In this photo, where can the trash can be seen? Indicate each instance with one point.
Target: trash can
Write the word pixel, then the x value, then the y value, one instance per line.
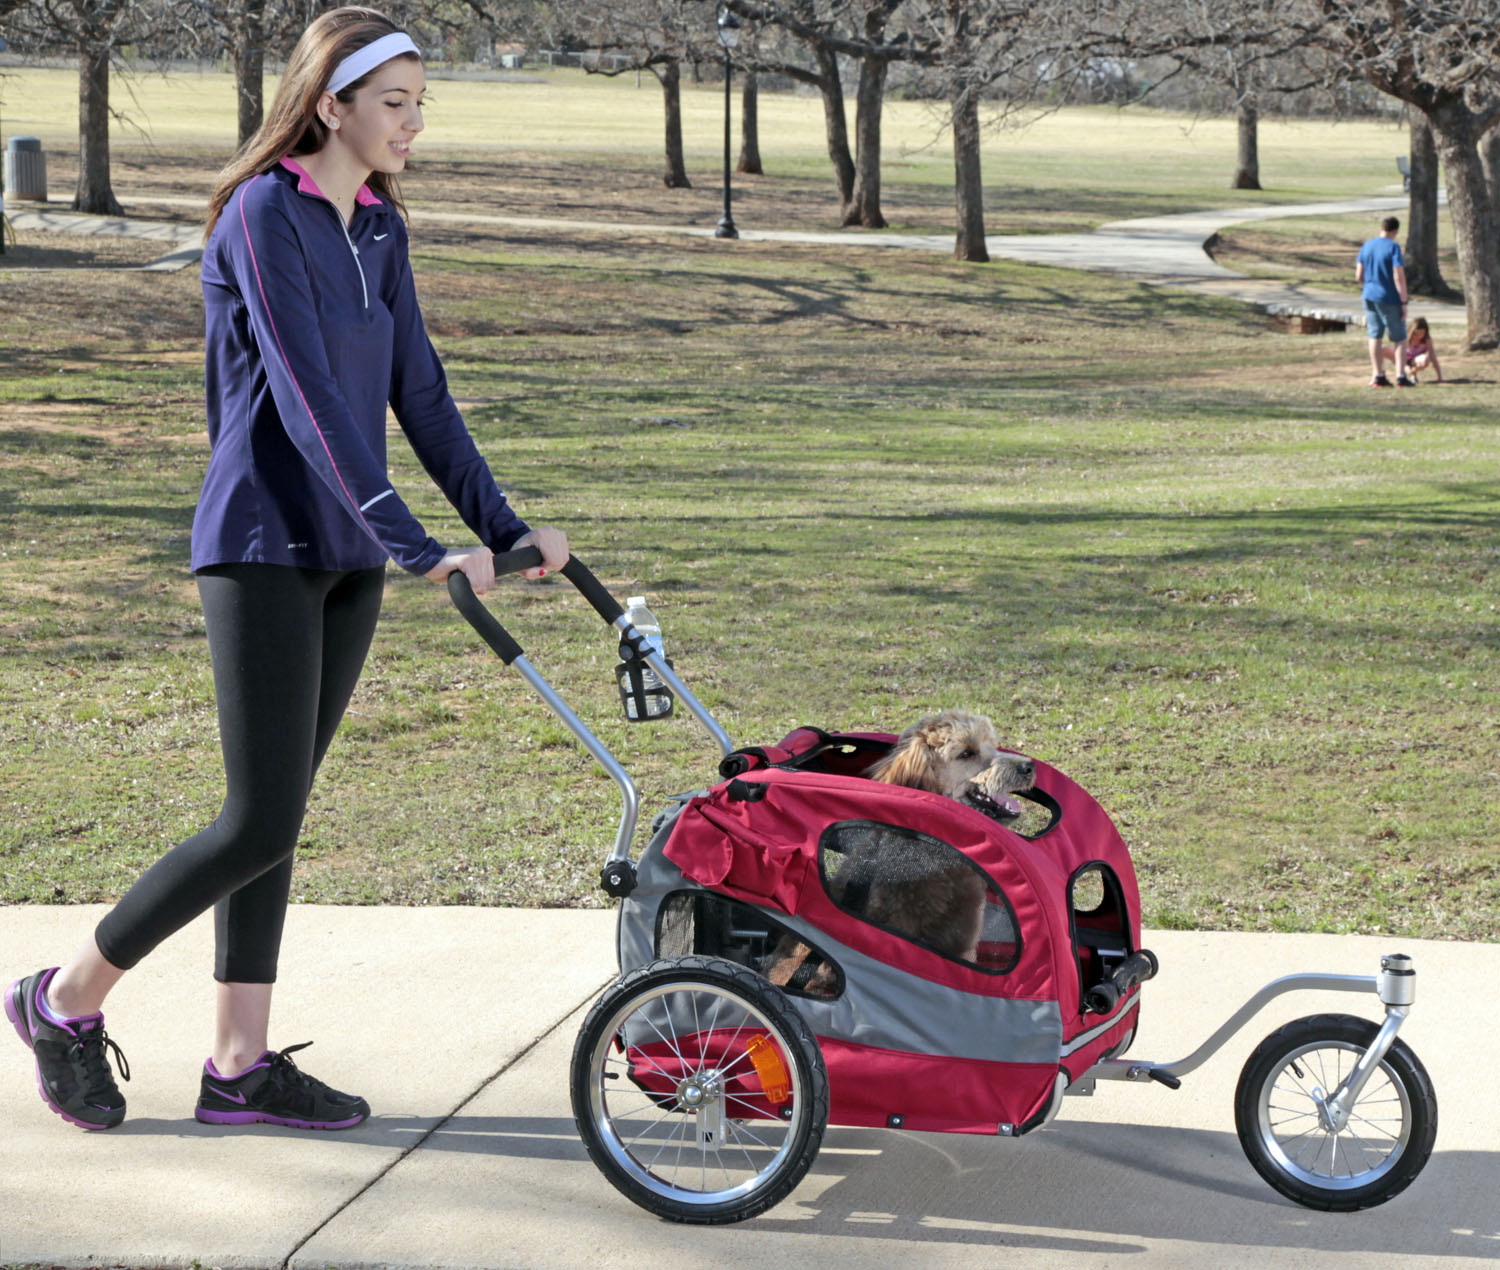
pixel 25 169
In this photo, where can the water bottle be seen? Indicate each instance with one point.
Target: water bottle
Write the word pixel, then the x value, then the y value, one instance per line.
pixel 639 684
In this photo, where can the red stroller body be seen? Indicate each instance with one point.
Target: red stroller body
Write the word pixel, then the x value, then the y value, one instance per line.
pixel 911 1036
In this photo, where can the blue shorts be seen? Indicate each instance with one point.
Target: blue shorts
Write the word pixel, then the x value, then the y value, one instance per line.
pixel 1385 319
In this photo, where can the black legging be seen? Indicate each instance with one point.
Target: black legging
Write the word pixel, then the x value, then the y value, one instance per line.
pixel 288 645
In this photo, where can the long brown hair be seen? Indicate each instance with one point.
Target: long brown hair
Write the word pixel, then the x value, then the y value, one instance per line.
pixel 292 125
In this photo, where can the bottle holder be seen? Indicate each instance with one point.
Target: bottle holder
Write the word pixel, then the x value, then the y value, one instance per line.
pixel 640 702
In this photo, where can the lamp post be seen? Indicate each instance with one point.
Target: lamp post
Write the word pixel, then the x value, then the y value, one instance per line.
pixel 729 34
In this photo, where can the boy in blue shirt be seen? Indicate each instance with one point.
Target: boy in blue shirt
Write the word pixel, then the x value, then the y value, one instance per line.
pixel 1382 271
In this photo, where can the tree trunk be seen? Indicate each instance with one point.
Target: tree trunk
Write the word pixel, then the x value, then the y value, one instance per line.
pixel 864 201
pixel 837 125
pixel 94 193
pixel 249 54
pixel 676 176
pixel 968 186
pixel 1247 164
pixel 1423 277
pixel 750 128
pixel 1476 223
pixel 1489 156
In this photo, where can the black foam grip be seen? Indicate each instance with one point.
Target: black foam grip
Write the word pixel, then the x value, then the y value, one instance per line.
pixel 516 559
pixel 1102 998
pixel 480 618
pixel 592 590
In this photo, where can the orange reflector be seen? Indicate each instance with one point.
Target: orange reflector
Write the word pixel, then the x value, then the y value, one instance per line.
pixel 774 1082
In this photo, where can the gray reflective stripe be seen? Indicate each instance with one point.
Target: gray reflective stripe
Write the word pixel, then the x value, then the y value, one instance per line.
pixel 376 499
pixel 1083 1038
pixel 892 1009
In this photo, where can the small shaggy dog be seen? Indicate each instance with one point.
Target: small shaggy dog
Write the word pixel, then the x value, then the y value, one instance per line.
pixel 895 879
pixel 956 754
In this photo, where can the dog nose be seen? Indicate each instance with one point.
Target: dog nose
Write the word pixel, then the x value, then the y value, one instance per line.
pixel 1026 769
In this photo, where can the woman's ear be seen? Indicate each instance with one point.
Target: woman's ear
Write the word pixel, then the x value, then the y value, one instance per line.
pixel 328 111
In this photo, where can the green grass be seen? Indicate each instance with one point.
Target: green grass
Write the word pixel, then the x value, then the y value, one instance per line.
pixel 1248 604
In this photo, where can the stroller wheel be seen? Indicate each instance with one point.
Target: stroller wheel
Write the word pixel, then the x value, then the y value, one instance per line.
pixel 698 1090
pixel 1278 1109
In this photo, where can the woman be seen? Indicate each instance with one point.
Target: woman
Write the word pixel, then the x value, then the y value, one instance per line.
pixel 312 327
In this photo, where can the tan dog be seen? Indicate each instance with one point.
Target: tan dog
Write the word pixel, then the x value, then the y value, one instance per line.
pixel 900 882
pixel 956 754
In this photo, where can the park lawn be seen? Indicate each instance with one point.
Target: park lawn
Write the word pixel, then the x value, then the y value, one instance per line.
pixel 590 148
pixel 1318 250
pixel 1190 561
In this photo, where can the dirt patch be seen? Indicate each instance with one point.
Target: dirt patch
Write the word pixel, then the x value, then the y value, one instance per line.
pixel 52 249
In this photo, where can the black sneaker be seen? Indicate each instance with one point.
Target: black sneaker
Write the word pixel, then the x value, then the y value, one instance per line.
pixel 72 1056
pixel 273 1090
pixel 1380 381
pixel 1403 381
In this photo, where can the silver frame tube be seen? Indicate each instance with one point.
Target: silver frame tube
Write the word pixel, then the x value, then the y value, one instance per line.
pixel 1131 1069
pixel 605 759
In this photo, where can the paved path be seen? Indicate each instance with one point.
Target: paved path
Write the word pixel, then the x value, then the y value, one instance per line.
pixel 1159 250
pixel 458 1025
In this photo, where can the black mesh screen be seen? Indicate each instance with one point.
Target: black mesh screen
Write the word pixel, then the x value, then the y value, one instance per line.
pixel 717 926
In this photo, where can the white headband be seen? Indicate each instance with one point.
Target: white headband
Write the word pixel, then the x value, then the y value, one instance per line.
pixel 364 60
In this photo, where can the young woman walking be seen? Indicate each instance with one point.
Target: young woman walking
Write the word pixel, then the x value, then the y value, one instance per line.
pixel 312 329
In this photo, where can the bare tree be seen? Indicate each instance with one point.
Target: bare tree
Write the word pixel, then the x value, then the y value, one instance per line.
pixel 1423 276
pixel 1445 61
pixel 749 161
pixel 92 29
pixel 792 38
pixel 647 35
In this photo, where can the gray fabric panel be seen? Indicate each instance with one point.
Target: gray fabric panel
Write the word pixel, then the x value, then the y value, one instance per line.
pixel 882 1006
pixel 655 878
pixel 888 1008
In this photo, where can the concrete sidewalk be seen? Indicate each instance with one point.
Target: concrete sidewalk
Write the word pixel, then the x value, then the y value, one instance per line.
pixel 458 1025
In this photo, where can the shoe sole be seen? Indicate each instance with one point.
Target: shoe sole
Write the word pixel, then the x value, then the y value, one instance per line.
pixel 16 1015
pixel 206 1116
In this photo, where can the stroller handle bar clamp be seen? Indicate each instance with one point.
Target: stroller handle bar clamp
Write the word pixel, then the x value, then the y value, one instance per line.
pixel 617 874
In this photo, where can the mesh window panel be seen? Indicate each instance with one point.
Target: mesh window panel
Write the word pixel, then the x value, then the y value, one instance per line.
pixel 921 888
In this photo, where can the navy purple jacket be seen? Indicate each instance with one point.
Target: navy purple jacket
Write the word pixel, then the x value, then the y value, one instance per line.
pixel 310 332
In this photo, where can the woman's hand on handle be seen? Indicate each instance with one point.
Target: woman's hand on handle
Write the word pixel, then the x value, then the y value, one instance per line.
pixel 475 563
pixel 552 543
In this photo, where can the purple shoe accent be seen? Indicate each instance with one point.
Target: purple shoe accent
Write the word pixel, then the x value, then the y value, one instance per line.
pixel 259 1117
pixel 16 1021
pixel 73 1051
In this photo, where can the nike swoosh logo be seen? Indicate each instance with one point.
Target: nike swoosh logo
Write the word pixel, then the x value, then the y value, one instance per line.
pixel 378 237
pixel 229 1097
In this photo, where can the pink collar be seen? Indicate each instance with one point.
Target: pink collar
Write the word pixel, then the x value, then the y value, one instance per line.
pixel 306 185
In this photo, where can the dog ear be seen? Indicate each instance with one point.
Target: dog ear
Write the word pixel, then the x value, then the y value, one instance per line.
pixel 909 763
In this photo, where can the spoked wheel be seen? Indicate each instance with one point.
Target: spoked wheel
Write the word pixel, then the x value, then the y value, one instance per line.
pixel 1279 1111
pixel 698 1090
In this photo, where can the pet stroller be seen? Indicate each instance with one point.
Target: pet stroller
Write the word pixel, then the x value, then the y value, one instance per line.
pixel 770 984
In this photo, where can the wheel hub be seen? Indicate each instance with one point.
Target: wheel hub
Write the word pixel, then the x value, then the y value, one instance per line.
pixel 697 1091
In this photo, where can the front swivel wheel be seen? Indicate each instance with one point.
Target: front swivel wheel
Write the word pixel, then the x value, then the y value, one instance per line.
pixel 1280 1110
